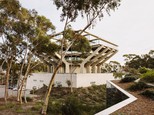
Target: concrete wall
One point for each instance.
(85, 80)
(78, 80)
(38, 79)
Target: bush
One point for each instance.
(127, 79)
(138, 86)
(37, 107)
(72, 106)
(118, 74)
(148, 76)
(54, 107)
(148, 93)
(143, 70)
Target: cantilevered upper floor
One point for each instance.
(90, 62)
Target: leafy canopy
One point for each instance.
(88, 8)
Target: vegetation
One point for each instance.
(128, 79)
(87, 101)
(83, 101)
(148, 93)
(148, 76)
(137, 61)
(138, 86)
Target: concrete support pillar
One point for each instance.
(48, 69)
(67, 68)
(82, 69)
(94, 69)
(99, 69)
(88, 69)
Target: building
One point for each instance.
(81, 70)
(76, 62)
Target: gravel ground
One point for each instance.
(142, 106)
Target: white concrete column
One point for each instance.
(67, 68)
(88, 69)
(99, 69)
(94, 69)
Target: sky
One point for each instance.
(131, 26)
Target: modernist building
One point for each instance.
(76, 62)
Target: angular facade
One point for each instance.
(91, 62)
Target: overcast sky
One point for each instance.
(131, 27)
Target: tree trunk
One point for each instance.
(20, 76)
(24, 79)
(9, 64)
(47, 95)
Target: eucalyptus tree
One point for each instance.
(9, 10)
(24, 35)
(138, 61)
(71, 9)
(115, 66)
(38, 44)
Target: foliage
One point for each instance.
(118, 74)
(71, 106)
(72, 8)
(137, 61)
(68, 83)
(112, 66)
(54, 107)
(148, 76)
(138, 86)
(81, 45)
(148, 93)
(89, 100)
(143, 70)
(128, 79)
(37, 107)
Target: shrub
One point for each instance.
(127, 79)
(54, 107)
(37, 107)
(118, 74)
(71, 106)
(148, 93)
(138, 86)
(143, 70)
(148, 76)
(68, 83)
